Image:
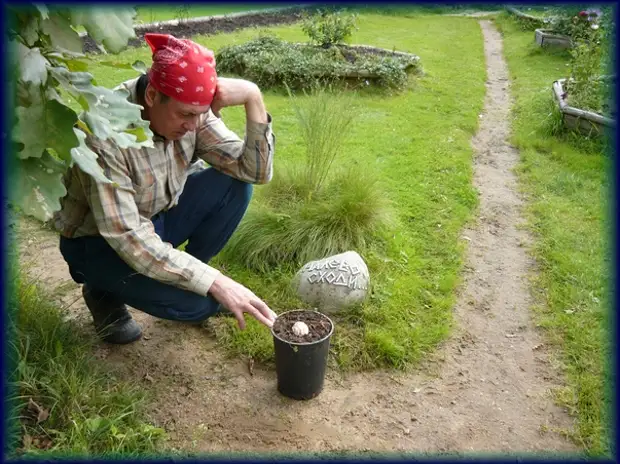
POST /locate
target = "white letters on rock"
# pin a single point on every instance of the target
(333, 283)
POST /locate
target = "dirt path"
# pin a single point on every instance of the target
(487, 389)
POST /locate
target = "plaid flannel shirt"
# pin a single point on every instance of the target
(151, 180)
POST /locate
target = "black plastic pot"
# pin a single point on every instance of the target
(300, 367)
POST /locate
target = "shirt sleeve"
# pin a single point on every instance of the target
(133, 236)
(249, 160)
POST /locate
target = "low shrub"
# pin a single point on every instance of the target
(274, 63)
(326, 28)
(586, 86)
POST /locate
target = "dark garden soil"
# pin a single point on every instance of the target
(214, 25)
(319, 326)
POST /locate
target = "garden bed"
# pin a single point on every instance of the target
(274, 63)
(584, 121)
(548, 38)
(208, 25)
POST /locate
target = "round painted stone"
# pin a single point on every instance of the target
(333, 283)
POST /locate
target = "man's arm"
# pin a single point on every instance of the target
(249, 160)
(133, 236)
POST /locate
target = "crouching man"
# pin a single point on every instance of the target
(121, 240)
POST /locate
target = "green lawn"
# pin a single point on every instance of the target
(418, 144)
(566, 179)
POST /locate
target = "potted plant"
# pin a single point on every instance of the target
(301, 341)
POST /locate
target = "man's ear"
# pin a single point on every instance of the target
(150, 95)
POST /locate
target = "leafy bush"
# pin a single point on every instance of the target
(327, 28)
(46, 65)
(590, 30)
(579, 26)
(308, 211)
(274, 63)
(584, 88)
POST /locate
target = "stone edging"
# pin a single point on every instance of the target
(565, 108)
(557, 40)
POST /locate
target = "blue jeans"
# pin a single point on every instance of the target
(208, 212)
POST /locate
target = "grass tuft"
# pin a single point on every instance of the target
(312, 211)
(63, 400)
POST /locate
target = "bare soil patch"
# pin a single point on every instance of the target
(214, 25)
(486, 390)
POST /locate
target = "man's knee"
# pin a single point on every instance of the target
(242, 192)
(187, 308)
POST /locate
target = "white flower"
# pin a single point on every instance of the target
(594, 26)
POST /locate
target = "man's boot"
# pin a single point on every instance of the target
(113, 322)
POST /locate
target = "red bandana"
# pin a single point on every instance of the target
(182, 69)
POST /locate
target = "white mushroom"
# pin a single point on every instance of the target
(300, 328)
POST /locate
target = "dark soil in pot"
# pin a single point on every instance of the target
(319, 326)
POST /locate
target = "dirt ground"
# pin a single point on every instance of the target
(487, 389)
(214, 25)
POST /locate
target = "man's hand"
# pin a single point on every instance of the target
(238, 299)
(233, 92)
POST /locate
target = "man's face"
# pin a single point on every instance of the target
(171, 118)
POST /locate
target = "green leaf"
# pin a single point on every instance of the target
(45, 124)
(38, 186)
(109, 112)
(77, 65)
(86, 159)
(139, 66)
(112, 28)
(139, 132)
(32, 64)
(30, 31)
(58, 28)
(43, 10)
(93, 423)
(136, 65)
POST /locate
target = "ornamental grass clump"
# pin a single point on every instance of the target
(315, 208)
